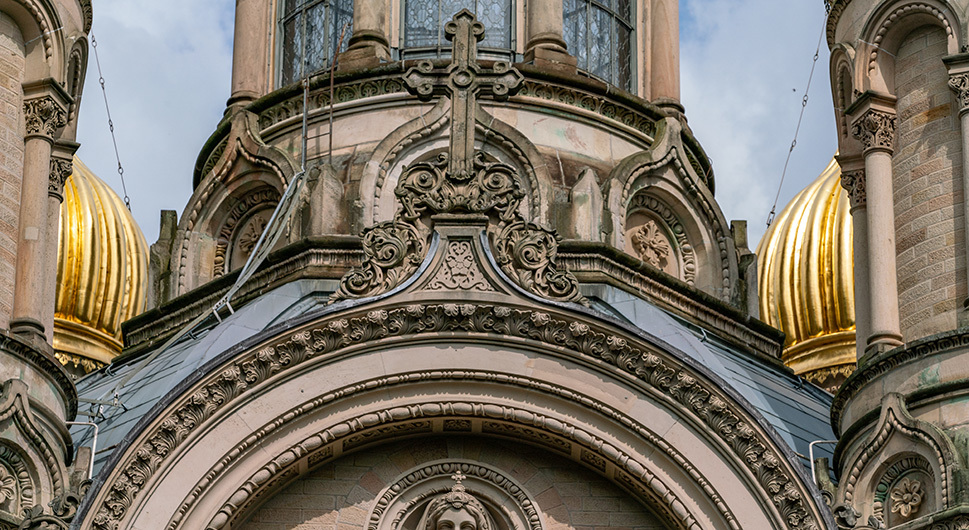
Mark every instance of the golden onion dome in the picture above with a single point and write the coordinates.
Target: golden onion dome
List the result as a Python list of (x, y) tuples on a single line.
[(102, 272), (806, 282)]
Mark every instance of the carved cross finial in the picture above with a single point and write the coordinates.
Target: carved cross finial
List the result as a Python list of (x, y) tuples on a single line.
[(462, 81), (458, 477)]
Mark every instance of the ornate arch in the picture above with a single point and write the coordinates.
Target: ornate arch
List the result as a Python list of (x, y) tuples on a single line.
[(244, 163), (843, 87), (886, 29), (667, 177)]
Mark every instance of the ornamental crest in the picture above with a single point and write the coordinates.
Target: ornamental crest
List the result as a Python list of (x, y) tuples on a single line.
[(460, 182)]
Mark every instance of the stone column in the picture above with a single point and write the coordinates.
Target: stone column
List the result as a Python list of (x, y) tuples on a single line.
[(854, 182), (43, 115), (249, 48), (875, 128), (959, 82), (664, 53), (61, 167), (369, 42), (544, 44)]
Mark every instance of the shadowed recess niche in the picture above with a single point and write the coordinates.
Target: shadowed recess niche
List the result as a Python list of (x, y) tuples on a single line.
[(433, 495), (655, 235)]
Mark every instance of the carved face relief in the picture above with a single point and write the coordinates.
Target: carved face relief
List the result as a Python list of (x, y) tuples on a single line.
[(456, 519)]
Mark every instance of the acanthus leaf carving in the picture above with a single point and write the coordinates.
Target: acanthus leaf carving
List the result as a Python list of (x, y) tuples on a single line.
[(43, 116), (854, 183), (959, 83), (60, 170), (876, 129)]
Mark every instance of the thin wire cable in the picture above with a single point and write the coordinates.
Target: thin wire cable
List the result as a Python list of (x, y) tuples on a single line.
[(797, 130), (107, 110)]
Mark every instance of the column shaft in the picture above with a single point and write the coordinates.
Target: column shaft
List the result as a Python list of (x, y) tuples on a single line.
[(544, 43), (29, 313), (882, 283), (664, 51), (249, 49)]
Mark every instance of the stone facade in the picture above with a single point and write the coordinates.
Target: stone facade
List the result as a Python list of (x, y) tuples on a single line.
[(339, 495), (11, 168)]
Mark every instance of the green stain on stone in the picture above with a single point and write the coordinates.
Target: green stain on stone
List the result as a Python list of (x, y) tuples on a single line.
[(929, 376)]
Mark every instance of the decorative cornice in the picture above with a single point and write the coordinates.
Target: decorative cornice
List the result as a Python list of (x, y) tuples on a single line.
[(873, 368), (854, 183), (43, 116), (60, 170), (673, 381), (876, 130)]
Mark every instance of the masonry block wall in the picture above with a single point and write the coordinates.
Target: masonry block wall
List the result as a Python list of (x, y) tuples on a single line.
[(341, 494), (12, 65), (928, 190)]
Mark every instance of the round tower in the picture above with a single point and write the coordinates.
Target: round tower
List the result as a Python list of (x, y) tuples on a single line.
[(900, 85)]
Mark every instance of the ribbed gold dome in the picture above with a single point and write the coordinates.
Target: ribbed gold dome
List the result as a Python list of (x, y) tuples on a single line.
[(806, 283), (102, 272)]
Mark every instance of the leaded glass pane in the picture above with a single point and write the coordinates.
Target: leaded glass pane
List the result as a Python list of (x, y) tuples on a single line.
[(324, 20), (574, 30), (599, 34), (424, 25)]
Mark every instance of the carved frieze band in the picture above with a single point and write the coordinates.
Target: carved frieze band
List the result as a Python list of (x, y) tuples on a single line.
[(657, 372), (959, 84), (43, 116), (60, 170), (854, 183), (876, 129)]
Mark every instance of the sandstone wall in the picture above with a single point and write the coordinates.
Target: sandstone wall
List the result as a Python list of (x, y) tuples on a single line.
[(340, 495), (928, 190), (11, 156)]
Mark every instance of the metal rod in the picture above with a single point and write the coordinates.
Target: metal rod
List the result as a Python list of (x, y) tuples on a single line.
[(811, 454), (94, 442)]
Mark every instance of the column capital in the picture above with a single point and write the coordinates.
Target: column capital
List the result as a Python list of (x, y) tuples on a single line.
[(43, 115), (854, 183), (958, 67), (60, 169), (876, 130)]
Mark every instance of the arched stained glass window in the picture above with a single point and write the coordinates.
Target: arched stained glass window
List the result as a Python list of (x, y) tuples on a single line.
[(424, 21), (324, 20), (599, 33)]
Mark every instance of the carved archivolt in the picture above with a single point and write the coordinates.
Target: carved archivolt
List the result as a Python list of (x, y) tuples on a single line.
[(17, 489), (241, 225), (902, 10), (659, 238), (698, 398)]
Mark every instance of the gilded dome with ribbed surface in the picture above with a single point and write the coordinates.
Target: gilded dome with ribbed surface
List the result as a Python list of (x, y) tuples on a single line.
[(102, 272), (806, 283)]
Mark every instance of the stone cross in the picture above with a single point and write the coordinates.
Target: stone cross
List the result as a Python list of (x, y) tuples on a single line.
[(463, 80)]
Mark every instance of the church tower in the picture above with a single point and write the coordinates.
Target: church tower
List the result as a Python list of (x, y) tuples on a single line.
[(900, 80), (453, 264)]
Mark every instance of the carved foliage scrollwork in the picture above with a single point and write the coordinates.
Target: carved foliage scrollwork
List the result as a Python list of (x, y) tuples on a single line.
[(60, 170), (43, 116), (959, 83), (394, 249), (854, 183), (876, 129)]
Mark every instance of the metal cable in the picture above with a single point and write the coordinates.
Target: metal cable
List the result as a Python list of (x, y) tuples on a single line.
[(104, 92), (797, 130)]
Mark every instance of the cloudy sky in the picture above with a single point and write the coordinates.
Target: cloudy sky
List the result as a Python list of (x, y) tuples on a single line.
[(745, 65)]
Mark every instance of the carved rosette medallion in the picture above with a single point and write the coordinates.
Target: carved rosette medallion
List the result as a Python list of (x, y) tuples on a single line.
[(906, 497), (876, 130), (854, 183), (60, 170), (43, 116), (242, 228), (655, 235), (959, 83), (651, 245)]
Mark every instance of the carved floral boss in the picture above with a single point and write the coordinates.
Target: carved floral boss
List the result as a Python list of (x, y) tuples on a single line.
[(461, 181)]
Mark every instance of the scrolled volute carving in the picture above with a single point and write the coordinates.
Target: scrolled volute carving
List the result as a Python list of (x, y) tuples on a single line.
[(394, 249), (959, 83), (60, 170), (876, 129), (43, 116), (854, 183)]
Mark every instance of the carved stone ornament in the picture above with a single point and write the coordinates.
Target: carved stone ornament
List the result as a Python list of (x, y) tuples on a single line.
[(959, 84), (460, 270), (876, 130), (651, 244), (456, 510), (60, 170), (906, 497), (854, 183), (461, 181), (43, 116)]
